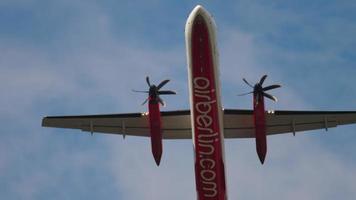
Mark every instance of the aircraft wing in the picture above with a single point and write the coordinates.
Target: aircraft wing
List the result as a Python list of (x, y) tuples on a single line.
[(176, 124), (239, 123)]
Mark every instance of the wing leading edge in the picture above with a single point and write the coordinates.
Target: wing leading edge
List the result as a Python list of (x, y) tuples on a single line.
[(176, 124)]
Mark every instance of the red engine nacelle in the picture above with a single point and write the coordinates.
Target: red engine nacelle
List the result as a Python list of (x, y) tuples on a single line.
[(260, 126), (154, 116), (259, 92)]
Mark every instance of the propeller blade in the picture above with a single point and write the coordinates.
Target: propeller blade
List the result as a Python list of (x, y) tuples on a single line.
[(148, 81), (162, 84), (263, 79), (164, 92), (271, 87), (161, 102), (245, 94), (144, 102), (273, 98), (247, 82), (140, 91)]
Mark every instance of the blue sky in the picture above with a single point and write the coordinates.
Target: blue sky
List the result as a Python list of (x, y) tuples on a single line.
[(84, 57)]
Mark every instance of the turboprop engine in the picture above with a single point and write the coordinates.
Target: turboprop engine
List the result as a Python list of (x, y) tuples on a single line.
[(259, 93), (154, 115)]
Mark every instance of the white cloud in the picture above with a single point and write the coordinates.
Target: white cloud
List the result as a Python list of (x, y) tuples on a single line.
[(295, 168)]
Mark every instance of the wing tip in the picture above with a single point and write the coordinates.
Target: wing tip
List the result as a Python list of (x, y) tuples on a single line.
[(44, 122)]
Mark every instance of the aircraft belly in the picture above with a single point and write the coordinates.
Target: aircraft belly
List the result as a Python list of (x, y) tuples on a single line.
[(206, 108)]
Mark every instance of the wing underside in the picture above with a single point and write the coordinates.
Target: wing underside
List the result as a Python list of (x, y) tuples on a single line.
[(176, 124), (239, 123)]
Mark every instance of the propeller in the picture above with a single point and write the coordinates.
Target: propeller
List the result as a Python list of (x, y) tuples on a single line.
[(154, 91), (259, 90)]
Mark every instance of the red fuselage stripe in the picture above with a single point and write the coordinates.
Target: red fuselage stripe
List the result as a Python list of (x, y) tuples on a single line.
[(209, 164)]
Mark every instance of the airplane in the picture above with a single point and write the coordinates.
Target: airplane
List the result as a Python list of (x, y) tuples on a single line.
[(206, 122)]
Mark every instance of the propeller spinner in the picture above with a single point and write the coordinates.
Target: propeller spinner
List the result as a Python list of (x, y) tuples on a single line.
[(259, 90), (154, 91)]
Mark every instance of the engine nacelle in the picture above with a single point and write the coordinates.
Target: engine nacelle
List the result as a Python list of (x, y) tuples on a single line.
[(260, 126), (259, 92), (154, 116)]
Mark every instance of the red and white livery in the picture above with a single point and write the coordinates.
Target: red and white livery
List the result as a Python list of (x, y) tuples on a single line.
[(205, 105), (206, 123)]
